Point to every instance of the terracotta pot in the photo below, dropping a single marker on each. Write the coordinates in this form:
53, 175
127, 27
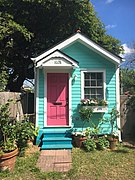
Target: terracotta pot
7, 160
79, 141
112, 143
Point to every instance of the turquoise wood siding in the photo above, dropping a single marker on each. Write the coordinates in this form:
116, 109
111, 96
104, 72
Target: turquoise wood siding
40, 98
89, 60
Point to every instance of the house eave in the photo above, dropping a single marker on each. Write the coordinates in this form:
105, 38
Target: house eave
84, 40
57, 59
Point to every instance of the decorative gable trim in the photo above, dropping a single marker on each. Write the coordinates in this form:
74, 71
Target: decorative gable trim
57, 59
85, 41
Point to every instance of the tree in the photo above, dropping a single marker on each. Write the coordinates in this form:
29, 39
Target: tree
10, 59
128, 80
45, 23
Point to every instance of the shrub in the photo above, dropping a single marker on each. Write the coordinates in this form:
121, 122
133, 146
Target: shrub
25, 131
102, 143
89, 145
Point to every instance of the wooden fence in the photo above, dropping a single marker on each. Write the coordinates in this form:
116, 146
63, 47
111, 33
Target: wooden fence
127, 120
22, 104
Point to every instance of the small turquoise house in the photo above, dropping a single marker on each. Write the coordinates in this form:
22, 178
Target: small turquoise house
74, 69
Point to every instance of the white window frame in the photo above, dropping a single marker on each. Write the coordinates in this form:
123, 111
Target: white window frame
89, 71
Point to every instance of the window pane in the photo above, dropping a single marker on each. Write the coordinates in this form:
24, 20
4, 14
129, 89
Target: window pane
93, 91
93, 83
99, 75
87, 83
99, 82
93, 75
99, 91
87, 75
87, 91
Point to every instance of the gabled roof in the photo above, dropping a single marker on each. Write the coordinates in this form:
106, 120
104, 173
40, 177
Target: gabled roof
57, 55
78, 37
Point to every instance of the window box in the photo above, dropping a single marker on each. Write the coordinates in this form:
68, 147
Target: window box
97, 109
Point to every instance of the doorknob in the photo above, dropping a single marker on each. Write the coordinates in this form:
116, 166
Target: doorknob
67, 101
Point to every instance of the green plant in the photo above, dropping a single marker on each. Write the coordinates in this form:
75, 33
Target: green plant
7, 129
88, 132
90, 144
114, 114
25, 131
85, 115
3, 78
102, 143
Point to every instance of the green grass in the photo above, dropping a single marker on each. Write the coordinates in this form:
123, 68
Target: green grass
98, 165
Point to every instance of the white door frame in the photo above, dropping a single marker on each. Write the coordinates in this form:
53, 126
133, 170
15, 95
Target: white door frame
68, 71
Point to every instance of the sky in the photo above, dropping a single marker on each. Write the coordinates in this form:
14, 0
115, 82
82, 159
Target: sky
119, 19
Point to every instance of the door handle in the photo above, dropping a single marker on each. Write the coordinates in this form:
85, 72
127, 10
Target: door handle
57, 103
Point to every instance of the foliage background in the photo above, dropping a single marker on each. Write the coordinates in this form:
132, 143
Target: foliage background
29, 27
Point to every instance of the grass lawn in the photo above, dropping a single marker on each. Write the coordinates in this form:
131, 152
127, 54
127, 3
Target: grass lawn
98, 165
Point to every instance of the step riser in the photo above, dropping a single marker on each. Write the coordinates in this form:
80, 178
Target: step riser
57, 142
56, 147
49, 135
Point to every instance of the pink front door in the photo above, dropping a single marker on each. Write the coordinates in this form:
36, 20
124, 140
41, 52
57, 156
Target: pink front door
57, 99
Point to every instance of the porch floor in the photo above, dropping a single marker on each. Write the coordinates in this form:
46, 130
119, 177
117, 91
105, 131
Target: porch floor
55, 160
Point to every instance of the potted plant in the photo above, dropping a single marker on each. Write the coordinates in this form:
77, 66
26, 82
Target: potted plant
8, 146
113, 136
26, 133
81, 136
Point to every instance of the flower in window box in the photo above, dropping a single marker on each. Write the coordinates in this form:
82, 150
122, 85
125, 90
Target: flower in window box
94, 102
102, 103
84, 101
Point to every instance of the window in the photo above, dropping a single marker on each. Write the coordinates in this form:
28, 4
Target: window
93, 85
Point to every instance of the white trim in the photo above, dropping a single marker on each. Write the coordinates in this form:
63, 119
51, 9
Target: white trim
59, 57
37, 94
70, 100
118, 99
93, 70
45, 96
84, 40
82, 84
